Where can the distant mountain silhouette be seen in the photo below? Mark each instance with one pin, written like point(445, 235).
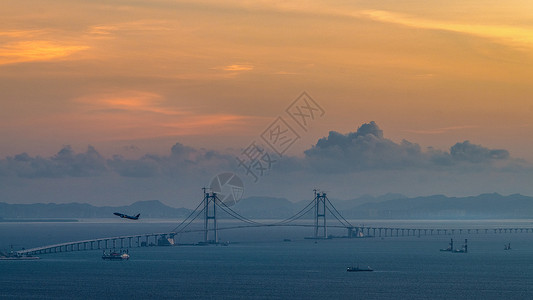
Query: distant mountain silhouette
point(484, 206)
point(390, 206)
point(147, 209)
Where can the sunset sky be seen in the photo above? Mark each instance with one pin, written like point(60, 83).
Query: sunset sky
point(131, 78)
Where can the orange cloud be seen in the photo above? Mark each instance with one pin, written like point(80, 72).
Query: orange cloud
point(130, 101)
point(139, 114)
point(510, 35)
point(20, 33)
point(37, 50)
point(238, 68)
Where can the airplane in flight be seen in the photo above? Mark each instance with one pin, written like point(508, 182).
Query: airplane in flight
point(126, 216)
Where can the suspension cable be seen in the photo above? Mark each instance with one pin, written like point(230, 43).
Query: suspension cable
point(236, 214)
point(253, 223)
point(298, 215)
point(333, 214)
point(175, 229)
point(350, 225)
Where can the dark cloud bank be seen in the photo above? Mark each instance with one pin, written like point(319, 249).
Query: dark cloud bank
point(368, 149)
point(348, 165)
point(364, 150)
point(67, 163)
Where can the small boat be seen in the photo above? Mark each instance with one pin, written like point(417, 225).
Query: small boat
point(358, 269)
point(464, 249)
point(113, 255)
point(507, 247)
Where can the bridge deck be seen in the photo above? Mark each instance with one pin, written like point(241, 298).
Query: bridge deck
point(353, 232)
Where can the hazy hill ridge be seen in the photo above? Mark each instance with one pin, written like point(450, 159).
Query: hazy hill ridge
point(391, 206)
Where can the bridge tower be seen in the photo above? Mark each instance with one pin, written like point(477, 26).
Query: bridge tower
point(210, 213)
point(321, 230)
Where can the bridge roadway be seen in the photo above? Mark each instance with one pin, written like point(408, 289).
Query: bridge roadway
point(105, 243)
point(160, 239)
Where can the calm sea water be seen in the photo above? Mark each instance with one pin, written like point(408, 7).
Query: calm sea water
point(258, 264)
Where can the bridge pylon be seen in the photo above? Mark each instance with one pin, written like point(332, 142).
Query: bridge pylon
point(321, 229)
point(210, 214)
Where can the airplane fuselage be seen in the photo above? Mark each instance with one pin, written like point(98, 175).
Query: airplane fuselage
point(124, 216)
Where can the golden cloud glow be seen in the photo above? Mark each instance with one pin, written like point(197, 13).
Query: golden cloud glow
point(20, 33)
point(238, 68)
point(127, 101)
point(183, 67)
point(39, 50)
point(515, 36)
point(146, 115)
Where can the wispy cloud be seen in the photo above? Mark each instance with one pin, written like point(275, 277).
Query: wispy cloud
point(510, 35)
point(238, 68)
point(126, 101)
point(133, 26)
point(20, 33)
point(235, 68)
point(147, 114)
point(516, 36)
point(36, 50)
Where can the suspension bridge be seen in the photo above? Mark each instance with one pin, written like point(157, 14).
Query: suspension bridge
point(320, 208)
